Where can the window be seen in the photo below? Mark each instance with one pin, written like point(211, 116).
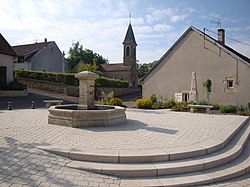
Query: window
point(185, 97)
point(230, 84)
point(20, 60)
point(127, 51)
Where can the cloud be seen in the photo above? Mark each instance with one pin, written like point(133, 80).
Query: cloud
point(177, 18)
point(98, 25)
point(179, 13)
point(247, 27)
point(162, 27)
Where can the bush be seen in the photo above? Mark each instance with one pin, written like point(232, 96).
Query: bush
point(169, 103)
point(243, 113)
point(65, 78)
point(116, 102)
point(113, 101)
point(181, 106)
point(107, 82)
point(228, 109)
point(68, 78)
point(216, 106)
point(153, 98)
point(144, 103)
point(158, 105)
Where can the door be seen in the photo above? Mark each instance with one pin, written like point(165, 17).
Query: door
point(3, 76)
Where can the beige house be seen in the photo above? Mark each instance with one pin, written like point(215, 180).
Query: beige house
point(197, 52)
point(7, 58)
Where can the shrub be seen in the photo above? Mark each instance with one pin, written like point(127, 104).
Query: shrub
point(169, 103)
point(248, 106)
point(153, 98)
point(158, 105)
point(216, 106)
point(107, 82)
point(115, 102)
point(228, 109)
point(144, 103)
point(68, 78)
point(243, 113)
point(65, 78)
point(181, 106)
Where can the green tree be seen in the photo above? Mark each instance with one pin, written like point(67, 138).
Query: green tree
point(208, 86)
point(77, 53)
point(143, 69)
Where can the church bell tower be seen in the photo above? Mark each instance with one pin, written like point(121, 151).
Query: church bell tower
point(129, 54)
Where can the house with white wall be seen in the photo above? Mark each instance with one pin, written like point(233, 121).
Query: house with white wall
point(7, 57)
point(212, 59)
point(43, 56)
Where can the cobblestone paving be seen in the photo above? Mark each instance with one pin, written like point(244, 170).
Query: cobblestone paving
point(21, 164)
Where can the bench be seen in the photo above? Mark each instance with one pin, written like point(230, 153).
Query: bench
point(48, 102)
point(207, 107)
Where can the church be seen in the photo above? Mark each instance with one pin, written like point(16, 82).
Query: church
point(126, 70)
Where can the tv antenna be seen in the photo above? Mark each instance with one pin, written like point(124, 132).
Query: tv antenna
point(218, 22)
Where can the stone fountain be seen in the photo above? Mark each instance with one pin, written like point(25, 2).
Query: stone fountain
point(86, 113)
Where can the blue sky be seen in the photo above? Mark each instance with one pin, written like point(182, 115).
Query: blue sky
point(101, 25)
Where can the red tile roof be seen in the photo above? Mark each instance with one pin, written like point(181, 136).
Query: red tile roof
point(5, 47)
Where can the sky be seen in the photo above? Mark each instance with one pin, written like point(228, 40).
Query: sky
point(101, 25)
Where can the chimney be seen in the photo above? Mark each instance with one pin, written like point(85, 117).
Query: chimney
point(45, 40)
point(221, 36)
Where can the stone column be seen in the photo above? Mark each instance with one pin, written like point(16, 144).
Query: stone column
point(87, 88)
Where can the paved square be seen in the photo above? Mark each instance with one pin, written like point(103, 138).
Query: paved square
point(22, 164)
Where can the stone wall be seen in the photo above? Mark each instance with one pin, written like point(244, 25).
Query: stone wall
point(73, 90)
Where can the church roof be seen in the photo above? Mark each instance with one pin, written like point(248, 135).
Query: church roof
point(114, 67)
point(5, 47)
point(129, 35)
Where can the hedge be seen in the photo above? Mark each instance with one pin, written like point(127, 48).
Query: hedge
point(68, 78)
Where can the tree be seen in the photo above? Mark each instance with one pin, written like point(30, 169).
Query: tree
point(208, 85)
point(77, 53)
point(143, 69)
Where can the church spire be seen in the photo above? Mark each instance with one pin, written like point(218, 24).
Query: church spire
point(129, 38)
point(129, 54)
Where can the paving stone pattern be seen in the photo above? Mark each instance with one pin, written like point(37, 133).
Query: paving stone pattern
point(22, 164)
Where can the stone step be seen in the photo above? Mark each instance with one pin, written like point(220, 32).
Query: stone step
point(236, 168)
point(145, 156)
point(225, 155)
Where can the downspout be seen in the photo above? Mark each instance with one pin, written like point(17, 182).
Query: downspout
point(237, 73)
point(204, 34)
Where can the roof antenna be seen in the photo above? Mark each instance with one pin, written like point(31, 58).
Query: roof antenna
point(218, 22)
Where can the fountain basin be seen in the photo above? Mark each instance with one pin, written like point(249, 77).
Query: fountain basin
point(79, 116)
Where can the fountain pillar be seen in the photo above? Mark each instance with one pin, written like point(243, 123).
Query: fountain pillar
point(87, 88)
